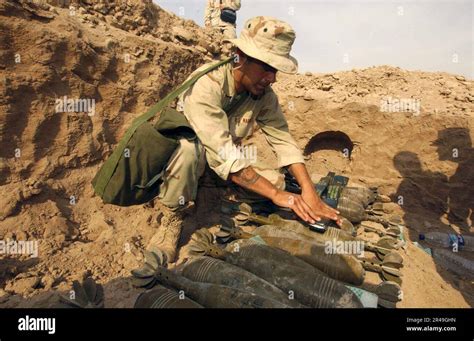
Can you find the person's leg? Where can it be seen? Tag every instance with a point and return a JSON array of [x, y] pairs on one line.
[[182, 173], [177, 192], [229, 31]]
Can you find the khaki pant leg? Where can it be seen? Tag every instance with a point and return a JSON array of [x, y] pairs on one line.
[[182, 173], [229, 31]]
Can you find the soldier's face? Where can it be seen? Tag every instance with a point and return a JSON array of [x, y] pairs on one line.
[[257, 76]]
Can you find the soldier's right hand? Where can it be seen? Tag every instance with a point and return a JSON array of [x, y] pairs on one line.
[[296, 203]]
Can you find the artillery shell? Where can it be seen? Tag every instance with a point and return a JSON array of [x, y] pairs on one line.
[[343, 267], [350, 209], [362, 194], [211, 270], [309, 285], [162, 298], [215, 296]]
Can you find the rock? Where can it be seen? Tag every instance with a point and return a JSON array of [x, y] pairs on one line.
[[138, 52], [109, 19], [10, 235], [182, 34], [58, 230], [21, 236], [460, 78], [110, 43], [201, 49], [383, 198], [48, 300], [23, 286], [8, 204], [101, 8], [445, 92], [53, 10], [48, 281], [308, 96], [325, 87], [28, 192], [308, 74], [390, 207], [4, 296], [64, 286], [99, 227]]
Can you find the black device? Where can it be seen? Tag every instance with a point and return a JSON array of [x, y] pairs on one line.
[[228, 15]]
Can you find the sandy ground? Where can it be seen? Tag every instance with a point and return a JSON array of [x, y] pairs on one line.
[[48, 159]]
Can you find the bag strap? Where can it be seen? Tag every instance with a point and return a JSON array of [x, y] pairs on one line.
[[109, 167]]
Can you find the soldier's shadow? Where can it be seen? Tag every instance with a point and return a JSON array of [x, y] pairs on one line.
[[455, 145], [433, 201], [421, 193]]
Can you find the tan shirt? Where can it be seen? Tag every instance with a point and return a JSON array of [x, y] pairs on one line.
[[217, 130], [212, 15]]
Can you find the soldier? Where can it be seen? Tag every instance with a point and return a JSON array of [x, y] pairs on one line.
[[262, 50], [221, 15]]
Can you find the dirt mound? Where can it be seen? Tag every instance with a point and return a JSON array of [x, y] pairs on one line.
[[48, 158], [128, 55]]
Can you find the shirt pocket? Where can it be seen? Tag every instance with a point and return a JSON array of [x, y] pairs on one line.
[[243, 124]]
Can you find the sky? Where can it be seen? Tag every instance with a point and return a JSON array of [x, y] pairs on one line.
[[348, 34]]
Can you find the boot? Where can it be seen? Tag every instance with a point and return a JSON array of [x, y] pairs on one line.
[[169, 232]]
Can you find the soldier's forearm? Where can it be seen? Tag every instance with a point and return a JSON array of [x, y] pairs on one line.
[[299, 171], [249, 179]]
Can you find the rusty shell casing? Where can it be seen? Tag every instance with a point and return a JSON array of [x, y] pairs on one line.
[[163, 298], [211, 270], [343, 267], [361, 194], [297, 227], [330, 234], [348, 227], [350, 209], [215, 296], [291, 274]]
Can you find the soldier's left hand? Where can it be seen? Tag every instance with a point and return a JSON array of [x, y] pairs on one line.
[[319, 208]]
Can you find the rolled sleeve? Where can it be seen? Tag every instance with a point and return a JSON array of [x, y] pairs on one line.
[[202, 108], [275, 128]]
